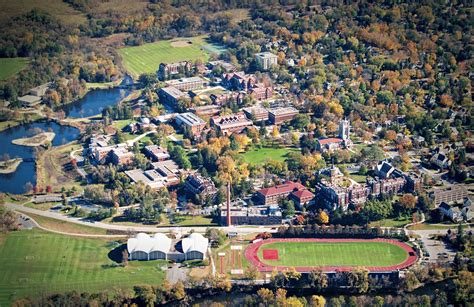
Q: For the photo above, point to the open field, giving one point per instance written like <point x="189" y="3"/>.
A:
<point x="330" y="254"/>
<point x="53" y="168"/>
<point x="11" y="66"/>
<point x="58" y="8"/>
<point x="147" y="58"/>
<point x="63" y="226"/>
<point x="260" y="155"/>
<point x="40" y="263"/>
<point x="188" y="220"/>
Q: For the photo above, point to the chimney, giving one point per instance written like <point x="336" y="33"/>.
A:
<point x="229" y="220"/>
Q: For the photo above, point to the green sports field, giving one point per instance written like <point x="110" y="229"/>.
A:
<point x="147" y="58"/>
<point x="260" y="155"/>
<point x="34" y="262"/>
<point x="11" y="66"/>
<point x="300" y="254"/>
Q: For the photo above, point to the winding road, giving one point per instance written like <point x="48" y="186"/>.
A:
<point x="126" y="228"/>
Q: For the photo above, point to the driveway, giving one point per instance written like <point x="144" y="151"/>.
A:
<point x="176" y="273"/>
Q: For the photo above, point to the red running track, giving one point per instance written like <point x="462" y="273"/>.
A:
<point x="251" y="253"/>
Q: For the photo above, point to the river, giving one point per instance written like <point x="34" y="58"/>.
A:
<point x="96" y="100"/>
<point x="26" y="173"/>
<point x="91" y="104"/>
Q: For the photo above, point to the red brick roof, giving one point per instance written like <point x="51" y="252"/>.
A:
<point x="329" y="140"/>
<point x="303" y="194"/>
<point x="285" y="188"/>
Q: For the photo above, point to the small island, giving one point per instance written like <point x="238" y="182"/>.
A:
<point x="9" y="166"/>
<point x="37" y="140"/>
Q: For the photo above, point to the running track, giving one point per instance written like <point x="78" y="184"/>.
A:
<point x="251" y="253"/>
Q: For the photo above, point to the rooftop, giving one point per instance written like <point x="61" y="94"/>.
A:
<point x="285" y="110"/>
<point x="284" y="188"/>
<point x="266" y="55"/>
<point x="190" y="119"/>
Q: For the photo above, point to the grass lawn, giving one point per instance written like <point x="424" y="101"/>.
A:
<point x="188" y="220"/>
<point x="358" y="178"/>
<point x="260" y="155"/>
<point x="11" y="66"/>
<point x="38" y="263"/>
<point x="120" y="124"/>
<point x="395" y="222"/>
<point x="147" y="58"/>
<point x="42" y="206"/>
<point x="59" y="225"/>
<point x="335" y="254"/>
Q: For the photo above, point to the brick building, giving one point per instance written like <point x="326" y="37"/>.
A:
<point x="192" y="122"/>
<point x="234" y="123"/>
<point x="271" y="196"/>
<point x="280" y="115"/>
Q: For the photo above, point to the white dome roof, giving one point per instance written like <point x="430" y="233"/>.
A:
<point x="144" y="243"/>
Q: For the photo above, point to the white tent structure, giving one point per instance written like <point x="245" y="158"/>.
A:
<point x="195" y="246"/>
<point x="144" y="247"/>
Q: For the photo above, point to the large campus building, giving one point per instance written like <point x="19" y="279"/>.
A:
<point x="159" y="246"/>
<point x="192" y="122"/>
<point x="266" y="59"/>
<point x="233" y="123"/>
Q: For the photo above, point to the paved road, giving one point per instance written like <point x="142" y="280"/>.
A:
<point x="177" y="229"/>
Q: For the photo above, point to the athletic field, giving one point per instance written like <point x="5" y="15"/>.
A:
<point x="330" y="254"/>
<point x="11" y="66"/>
<point x="147" y="58"/>
<point x="36" y="262"/>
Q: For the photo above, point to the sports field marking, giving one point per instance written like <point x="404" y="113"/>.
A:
<point x="270" y="254"/>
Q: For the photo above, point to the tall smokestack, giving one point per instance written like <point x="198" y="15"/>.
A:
<point x="229" y="220"/>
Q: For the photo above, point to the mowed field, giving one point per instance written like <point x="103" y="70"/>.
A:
<point x="260" y="155"/>
<point x="11" y="66"/>
<point x="35" y="262"/>
<point x="298" y="254"/>
<point x="147" y="58"/>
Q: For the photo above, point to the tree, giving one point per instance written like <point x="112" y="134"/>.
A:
<point x="317" y="301"/>
<point x="323" y="217"/>
<point x="407" y="202"/>
<point x="358" y="280"/>
<point x="317" y="280"/>
<point x="250" y="274"/>
<point x="178" y="291"/>
<point x="125" y="257"/>
<point x="145" y="294"/>
<point x="148" y="79"/>
<point x="464" y="293"/>
<point x="265" y="296"/>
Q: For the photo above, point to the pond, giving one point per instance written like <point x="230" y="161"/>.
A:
<point x="26" y="172"/>
<point x="96" y="100"/>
